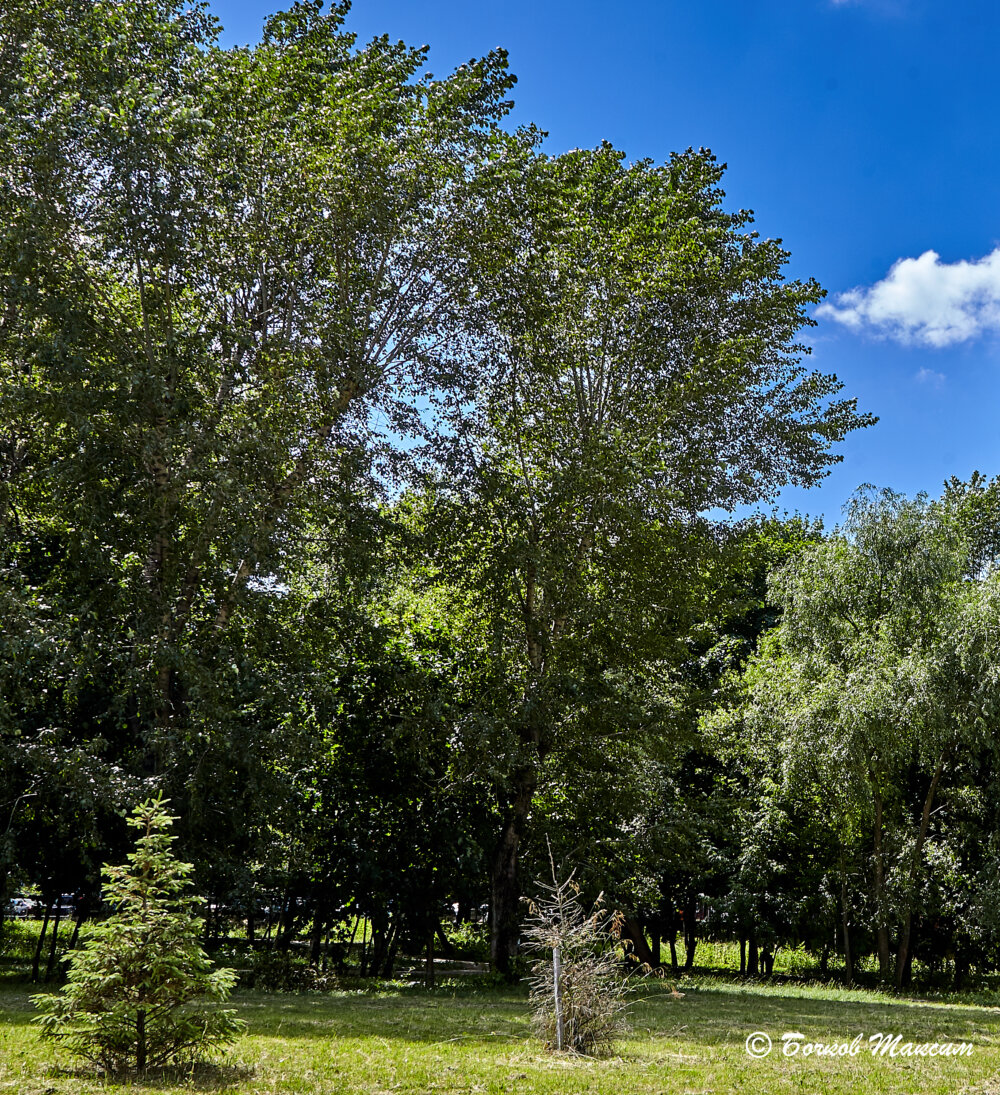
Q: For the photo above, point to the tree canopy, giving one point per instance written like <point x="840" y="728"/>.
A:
<point x="368" y="484"/>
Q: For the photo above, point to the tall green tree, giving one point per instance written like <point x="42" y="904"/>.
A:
<point x="878" y="684"/>
<point x="227" y="277"/>
<point x="647" y="370"/>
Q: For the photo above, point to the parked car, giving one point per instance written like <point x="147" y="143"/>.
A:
<point x="67" y="905"/>
<point x="22" y="907"/>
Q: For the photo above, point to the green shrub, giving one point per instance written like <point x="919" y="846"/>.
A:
<point x="471" y="942"/>
<point x="18" y="942"/>
<point x="141" y="993"/>
<point x="280" y="971"/>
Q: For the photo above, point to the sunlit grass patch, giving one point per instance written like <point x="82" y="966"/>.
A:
<point x="467" y="1038"/>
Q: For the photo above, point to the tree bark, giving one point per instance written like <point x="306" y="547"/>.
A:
<point x="381" y="929"/>
<point x="752" y="954"/>
<point x="41" y="940"/>
<point x="390" y="960"/>
<point x="363" y="960"/>
<point x="446" y="946"/>
<point x="3" y="874"/>
<point x="690" y="933"/>
<point x="640" y="948"/>
<point x="140" y="1037"/>
<point x="882" y="929"/>
<point x="344" y="954"/>
<point x="505" y="910"/>
<point x="316" y="942"/>
<point x="845" y="915"/>
<point x="50" y="964"/>
<point x="961" y="971"/>
<point x="903" y="954"/>
<point x="81" y="915"/>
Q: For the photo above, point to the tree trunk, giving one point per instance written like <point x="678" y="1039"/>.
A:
<point x="690" y="933"/>
<point x="446" y="946"/>
<point x="743" y="955"/>
<point x="690" y="946"/>
<point x="342" y="962"/>
<point x="640" y="948"/>
<point x="907" y="978"/>
<point x="673" y="953"/>
<point x="752" y="954"/>
<point x="363" y="961"/>
<point x="390" y="961"/>
<point x="316" y="942"/>
<point x="381" y="929"/>
<point x="882" y="929"/>
<point x="882" y="938"/>
<point x="845" y="914"/>
<point x="41" y="939"/>
<point x="54" y="943"/>
<point x="288" y="924"/>
<point x="140" y="1040"/>
<point x="80" y="915"/>
<point x="903" y="955"/>
<point x="505" y="911"/>
<point x="961" y="971"/>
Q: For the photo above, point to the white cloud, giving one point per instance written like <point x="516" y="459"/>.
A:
<point x="929" y="376"/>
<point x="925" y="301"/>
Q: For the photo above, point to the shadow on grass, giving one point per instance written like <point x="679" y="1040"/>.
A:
<point x="711" y="1015"/>
<point x="16" y="1008"/>
<point x="424" y="1017"/>
<point x="203" y="1076"/>
<point x="708" y="1016"/>
<point x="718" y="1016"/>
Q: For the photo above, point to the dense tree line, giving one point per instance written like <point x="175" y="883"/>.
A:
<point x="359" y="465"/>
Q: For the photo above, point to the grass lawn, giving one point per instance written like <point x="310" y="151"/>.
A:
<point x="459" y="1038"/>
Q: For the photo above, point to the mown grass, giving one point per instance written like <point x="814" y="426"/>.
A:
<point x="469" y="1039"/>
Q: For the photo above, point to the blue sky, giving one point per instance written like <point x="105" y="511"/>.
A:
<point x="862" y="132"/>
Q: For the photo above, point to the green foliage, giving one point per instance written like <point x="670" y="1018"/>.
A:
<point x="141" y="992"/>
<point x="281" y="971"/>
<point x="248" y="294"/>
<point x="229" y="279"/>
<point x="648" y="371"/>
<point x="469" y="941"/>
<point x="876" y="694"/>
